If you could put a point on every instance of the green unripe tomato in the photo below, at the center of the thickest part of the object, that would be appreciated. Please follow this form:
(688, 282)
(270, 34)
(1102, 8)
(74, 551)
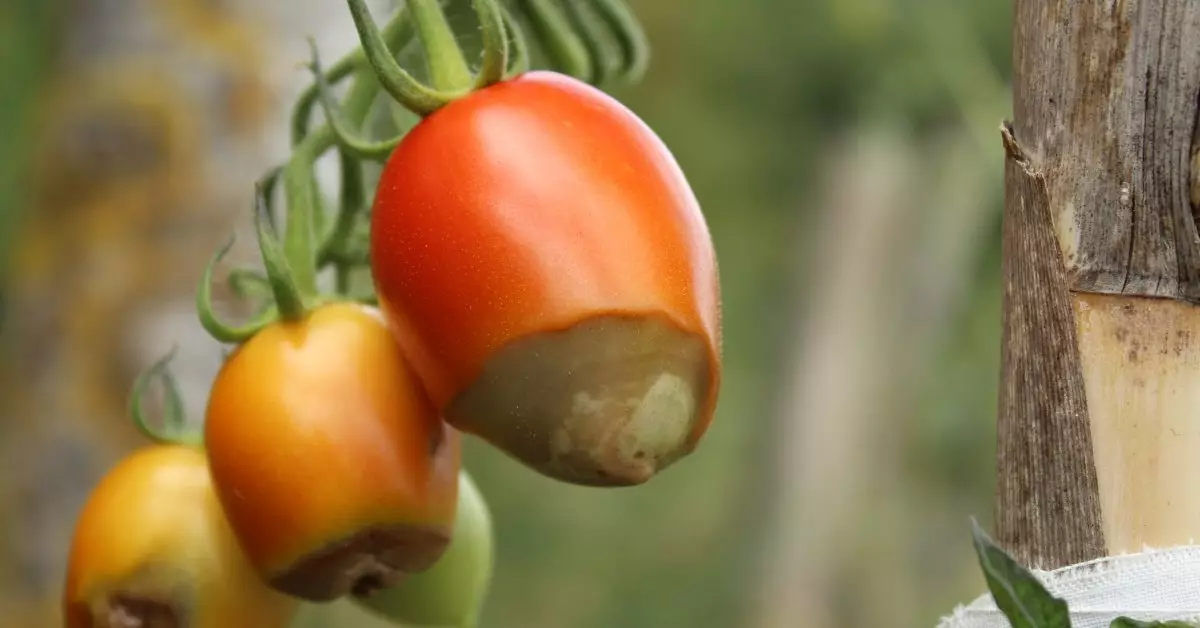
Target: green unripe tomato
(452, 592)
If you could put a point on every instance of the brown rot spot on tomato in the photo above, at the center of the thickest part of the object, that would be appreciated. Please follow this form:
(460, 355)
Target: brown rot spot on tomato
(377, 502)
(612, 400)
(152, 549)
(373, 559)
(452, 591)
(368, 585)
(136, 612)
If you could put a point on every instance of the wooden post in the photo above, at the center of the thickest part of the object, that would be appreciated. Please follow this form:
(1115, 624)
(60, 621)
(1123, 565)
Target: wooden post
(1099, 414)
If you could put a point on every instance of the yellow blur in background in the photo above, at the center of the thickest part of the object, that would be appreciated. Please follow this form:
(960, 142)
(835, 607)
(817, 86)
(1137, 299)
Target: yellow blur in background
(845, 153)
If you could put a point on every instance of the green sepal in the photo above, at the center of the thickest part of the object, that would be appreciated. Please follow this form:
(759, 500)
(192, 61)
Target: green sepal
(495, 43)
(302, 110)
(518, 45)
(218, 329)
(348, 138)
(563, 47)
(249, 284)
(174, 427)
(289, 300)
(632, 36)
(608, 58)
(414, 95)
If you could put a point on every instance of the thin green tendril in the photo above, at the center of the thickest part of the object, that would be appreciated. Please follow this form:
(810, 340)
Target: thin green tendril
(174, 428)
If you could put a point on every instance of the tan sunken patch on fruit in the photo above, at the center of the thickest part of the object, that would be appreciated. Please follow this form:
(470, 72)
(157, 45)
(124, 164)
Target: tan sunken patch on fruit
(610, 401)
(128, 610)
(131, 612)
(375, 558)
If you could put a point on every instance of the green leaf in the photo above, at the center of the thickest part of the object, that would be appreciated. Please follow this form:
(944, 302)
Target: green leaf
(1018, 593)
(1125, 622)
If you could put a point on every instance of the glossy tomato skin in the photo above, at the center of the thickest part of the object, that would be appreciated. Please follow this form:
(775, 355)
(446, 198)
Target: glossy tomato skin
(526, 208)
(328, 457)
(152, 540)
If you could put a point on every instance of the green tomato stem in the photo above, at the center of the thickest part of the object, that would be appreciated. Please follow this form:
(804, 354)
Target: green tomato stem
(298, 242)
(218, 329)
(345, 132)
(518, 46)
(495, 43)
(353, 199)
(602, 43)
(302, 111)
(396, 33)
(448, 70)
(406, 89)
(290, 302)
(495, 65)
(268, 183)
(299, 184)
(352, 203)
(249, 284)
(359, 99)
(175, 428)
(295, 270)
(291, 299)
(567, 52)
(632, 36)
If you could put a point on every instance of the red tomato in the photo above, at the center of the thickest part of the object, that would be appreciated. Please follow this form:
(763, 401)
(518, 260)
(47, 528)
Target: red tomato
(546, 267)
(335, 471)
(152, 548)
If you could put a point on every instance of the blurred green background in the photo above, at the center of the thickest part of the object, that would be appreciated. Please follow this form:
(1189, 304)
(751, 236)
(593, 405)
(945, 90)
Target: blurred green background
(846, 155)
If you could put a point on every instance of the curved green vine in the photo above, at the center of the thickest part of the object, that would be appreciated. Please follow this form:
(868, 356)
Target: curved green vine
(174, 427)
(563, 46)
(595, 40)
(602, 44)
(632, 37)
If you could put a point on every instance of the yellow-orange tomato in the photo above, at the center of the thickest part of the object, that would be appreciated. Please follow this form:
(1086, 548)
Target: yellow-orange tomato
(152, 548)
(334, 469)
(545, 264)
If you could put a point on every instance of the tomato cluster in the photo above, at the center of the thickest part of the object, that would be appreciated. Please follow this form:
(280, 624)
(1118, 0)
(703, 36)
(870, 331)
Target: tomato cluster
(543, 279)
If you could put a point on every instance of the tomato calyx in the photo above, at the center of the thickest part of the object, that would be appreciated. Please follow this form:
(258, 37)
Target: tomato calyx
(348, 138)
(352, 141)
(635, 48)
(608, 38)
(248, 284)
(174, 427)
(291, 301)
(596, 41)
(289, 287)
(448, 69)
(600, 39)
(565, 48)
